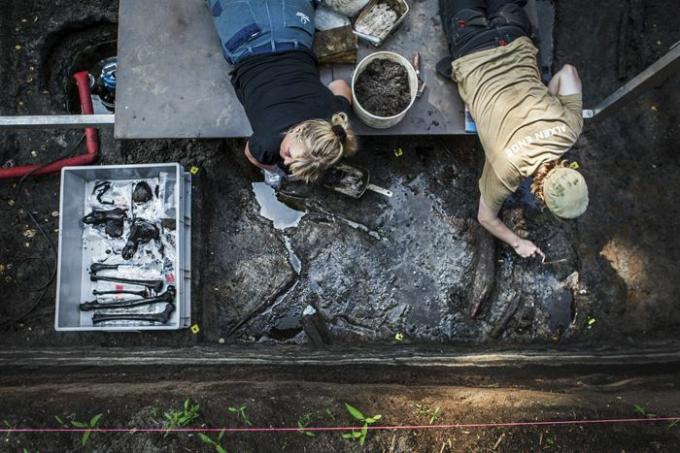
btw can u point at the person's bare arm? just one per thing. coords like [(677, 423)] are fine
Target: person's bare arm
[(565, 82), (341, 88), (254, 161), (489, 219)]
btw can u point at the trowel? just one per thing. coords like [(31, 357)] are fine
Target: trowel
[(351, 181)]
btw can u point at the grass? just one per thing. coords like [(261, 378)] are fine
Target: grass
[(71, 422), (359, 435), (215, 443), (182, 417), (432, 414), (241, 414)]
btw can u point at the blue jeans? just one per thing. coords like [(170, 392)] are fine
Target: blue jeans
[(260, 27), (472, 25)]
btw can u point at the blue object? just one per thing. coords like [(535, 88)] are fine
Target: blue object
[(259, 27)]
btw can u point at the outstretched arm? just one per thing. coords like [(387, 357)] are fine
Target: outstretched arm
[(489, 220), (565, 82), (341, 88), (254, 161)]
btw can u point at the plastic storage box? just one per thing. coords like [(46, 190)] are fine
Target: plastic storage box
[(73, 276)]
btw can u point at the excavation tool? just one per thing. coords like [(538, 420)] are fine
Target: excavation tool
[(351, 181), (162, 317), (142, 293), (168, 296), (156, 285), (416, 65)]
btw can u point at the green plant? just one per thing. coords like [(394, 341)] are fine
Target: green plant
[(360, 436), (178, 419), (216, 443), (241, 414), (302, 423), (26, 450), (673, 423), (432, 414), (92, 424), (61, 422), (640, 410)]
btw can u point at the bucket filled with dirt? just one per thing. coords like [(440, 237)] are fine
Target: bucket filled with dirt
[(384, 87)]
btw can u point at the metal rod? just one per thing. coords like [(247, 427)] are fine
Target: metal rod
[(57, 121), (653, 75)]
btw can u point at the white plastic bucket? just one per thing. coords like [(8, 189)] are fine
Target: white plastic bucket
[(384, 122)]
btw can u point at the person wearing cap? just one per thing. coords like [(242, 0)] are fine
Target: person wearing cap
[(525, 127), (300, 126)]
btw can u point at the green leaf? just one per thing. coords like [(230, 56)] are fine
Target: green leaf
[(673, 423), (79, 424), (221, 435), (356, 434), (95, 420), (205, 439), (639, 409), (220, 449), (309, 434), (373, 419), (86, 437), (348, 435), (354, 412), (61, 422), (233, 409)]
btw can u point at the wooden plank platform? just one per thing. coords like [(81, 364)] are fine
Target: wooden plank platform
[(173, 81)]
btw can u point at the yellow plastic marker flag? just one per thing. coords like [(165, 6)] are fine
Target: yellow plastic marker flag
[(398, 152), (399, 336), (574, 165), (194, 170), (195, 329)]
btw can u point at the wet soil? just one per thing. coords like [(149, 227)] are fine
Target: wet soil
[(383, 89), (378, 270), (137, 401)]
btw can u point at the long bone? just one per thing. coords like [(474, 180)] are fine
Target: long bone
[(142, 293), (162, 317), (168, 296), (156, 285)]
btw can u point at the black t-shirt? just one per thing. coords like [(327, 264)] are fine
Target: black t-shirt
[(279, 91)]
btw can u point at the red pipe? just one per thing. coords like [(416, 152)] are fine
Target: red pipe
[(91, 139)]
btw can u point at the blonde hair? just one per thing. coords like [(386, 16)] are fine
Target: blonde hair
[(325, 144), (541, 173)]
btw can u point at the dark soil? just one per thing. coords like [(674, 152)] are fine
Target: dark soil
[(376, 269), (381, 272), (383, 89), (138, 400)]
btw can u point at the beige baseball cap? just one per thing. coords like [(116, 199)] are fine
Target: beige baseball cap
[(565, 193)]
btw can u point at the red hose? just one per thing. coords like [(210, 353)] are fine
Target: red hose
[(91, 139)]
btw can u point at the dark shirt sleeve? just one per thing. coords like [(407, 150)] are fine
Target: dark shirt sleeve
[(265, 149), (343, 104)]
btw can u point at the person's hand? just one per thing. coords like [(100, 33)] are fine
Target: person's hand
[(526, 249)]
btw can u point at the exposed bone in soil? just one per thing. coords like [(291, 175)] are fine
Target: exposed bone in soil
[(383, 89)]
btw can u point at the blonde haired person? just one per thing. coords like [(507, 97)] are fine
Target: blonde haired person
[(524, 126), (300, 126)]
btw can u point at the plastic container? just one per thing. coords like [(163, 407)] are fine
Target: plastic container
[(377, 38), (73, 278), (384, 122)]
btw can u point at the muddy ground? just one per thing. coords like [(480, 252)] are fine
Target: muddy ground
[(140, 400), (377, 268), (373, 268)]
